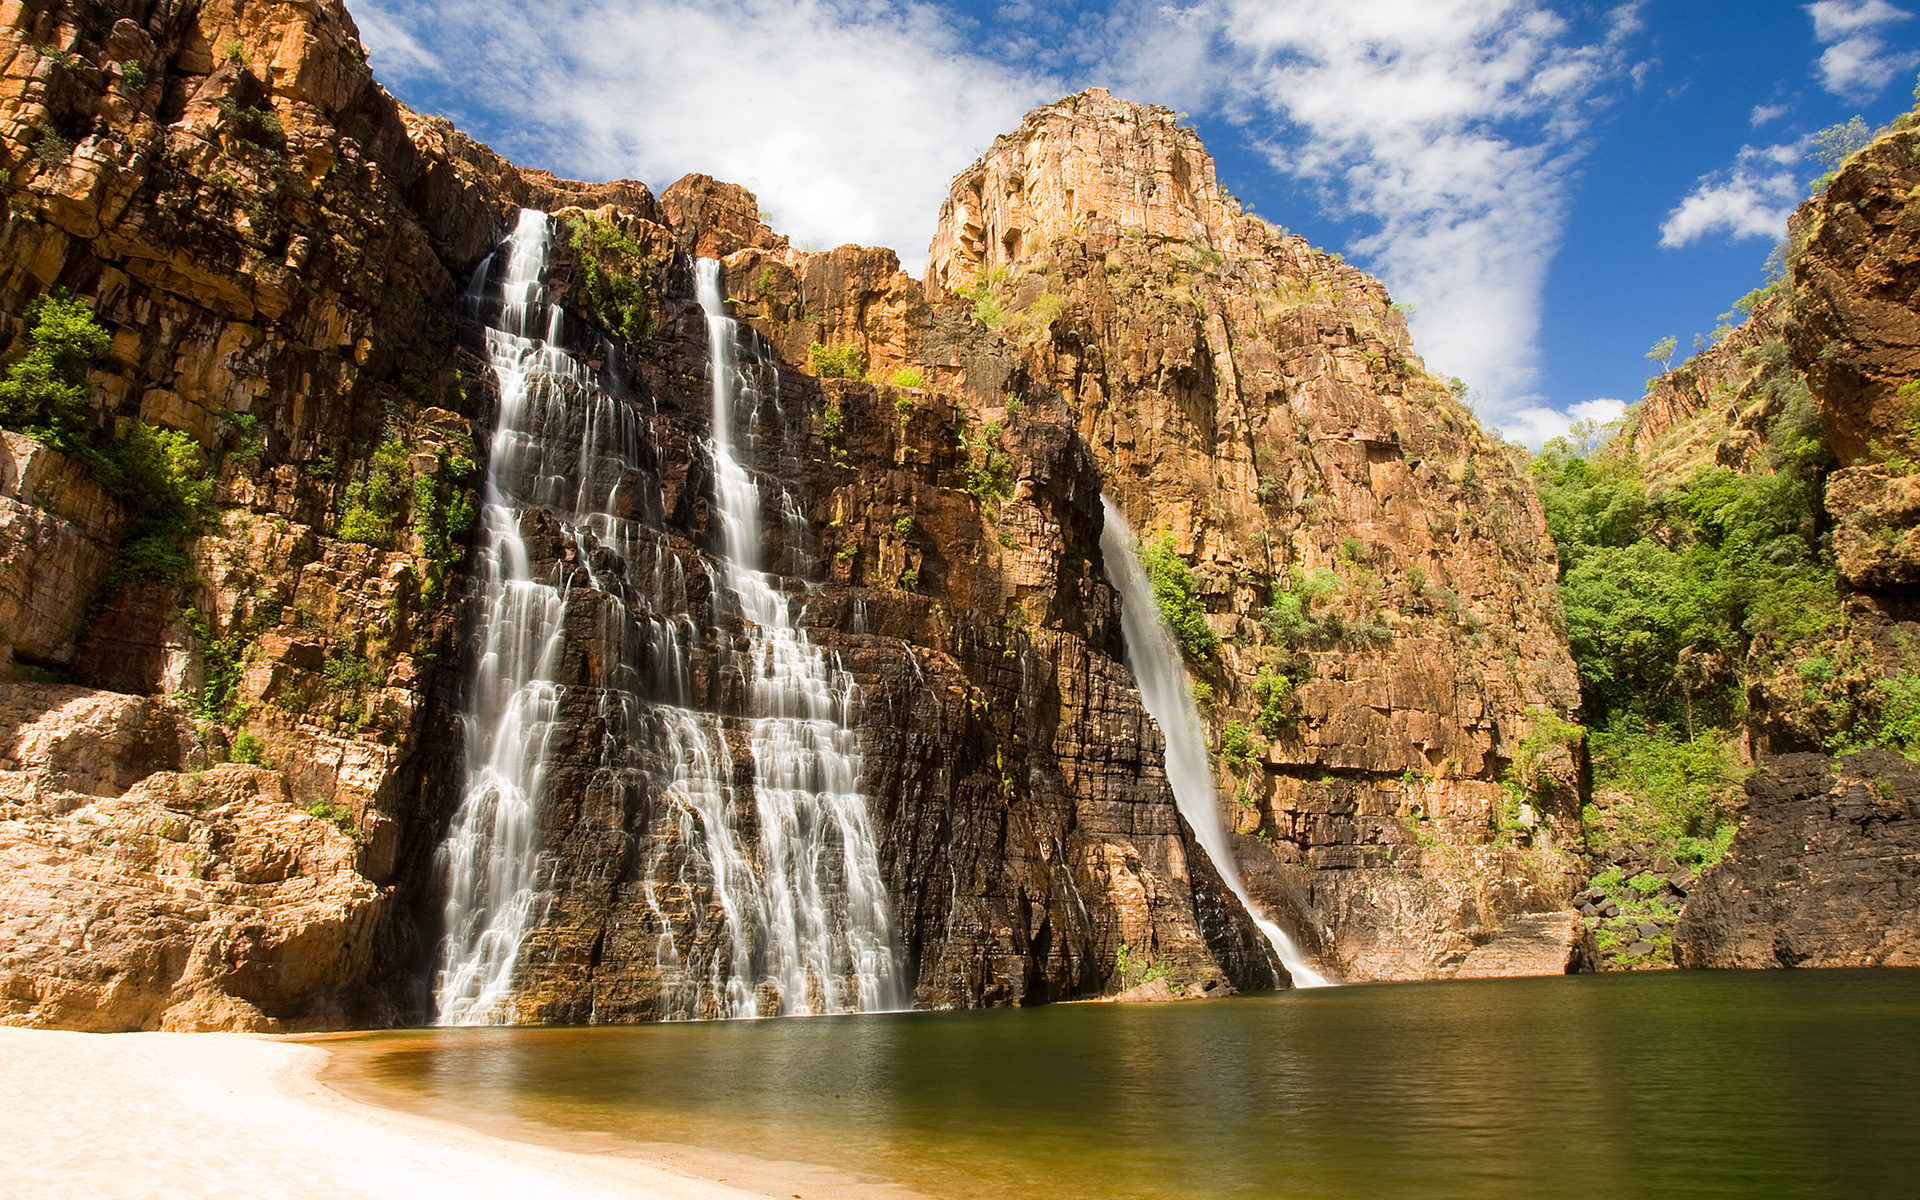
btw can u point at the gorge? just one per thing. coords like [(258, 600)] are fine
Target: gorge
[(468, 596)]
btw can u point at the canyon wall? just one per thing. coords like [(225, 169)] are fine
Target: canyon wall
[(294, 268)]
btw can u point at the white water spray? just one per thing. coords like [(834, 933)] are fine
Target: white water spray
[(1155, 660), (828, 921)]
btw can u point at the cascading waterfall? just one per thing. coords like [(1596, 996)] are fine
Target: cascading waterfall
[(1155, 660), (798, 923), (827, 923)]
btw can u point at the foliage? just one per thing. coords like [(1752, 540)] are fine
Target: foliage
[(1679, 792), (163, 477), (1236, 744), (257, 125), (989, 469), (912, 377), (987, 308), (249, 749), (903, 527), (44, 392), (618, 298), (1898, 700), (341, 819), (1550, 732), (831, 421), (1176, 590), (347, 671), (1834, 145), (373, 502), (442, 514), (1662, 352), (133, 75), (844, 362), (1702, 570), (1289, 619), (1274, 691)]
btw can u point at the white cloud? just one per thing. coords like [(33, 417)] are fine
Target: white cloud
[(1765, 113), (1857, 62), (852, 114), (1752, 198), (1536, 426), (1450, 126)]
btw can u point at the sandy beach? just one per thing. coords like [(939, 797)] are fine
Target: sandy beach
[(200, 1116)]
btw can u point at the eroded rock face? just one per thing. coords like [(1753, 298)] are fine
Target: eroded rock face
[(1261, 402), (280, 252), (1824, 872)]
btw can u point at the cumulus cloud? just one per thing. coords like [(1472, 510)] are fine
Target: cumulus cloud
[(1534, 427), (1750, 199), (849, 117), (1447, 126), (1857, 62)]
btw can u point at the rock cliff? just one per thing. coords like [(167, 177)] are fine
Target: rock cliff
[(294, 270)]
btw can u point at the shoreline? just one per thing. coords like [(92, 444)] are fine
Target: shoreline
[(246, 1115)]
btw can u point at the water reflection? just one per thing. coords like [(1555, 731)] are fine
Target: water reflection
[(1696, 1085)]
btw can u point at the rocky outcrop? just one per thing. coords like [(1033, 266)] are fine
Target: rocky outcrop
[(281, 254), (1824, 872), (1260, 402)]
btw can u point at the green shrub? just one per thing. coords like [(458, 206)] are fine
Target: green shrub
[(903, 527), (1176, 590), (44, 392), (347, 671), (1289, 620), (1236, 744), (1274, 691), (163, 477), (831, 421), (989, 469), (249, 749), (912, 377), (614, 268), (373, 502), (844, 362)]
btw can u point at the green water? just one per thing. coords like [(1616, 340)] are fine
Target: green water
[(1671, 1085)]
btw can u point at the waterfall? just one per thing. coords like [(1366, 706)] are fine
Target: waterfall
[(1155, 660), (828, 920), (781, 909)]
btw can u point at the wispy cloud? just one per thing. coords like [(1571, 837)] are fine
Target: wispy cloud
[(1858, 63), (1449, 126), (1764, 114), (848, 119), (1750, 199)]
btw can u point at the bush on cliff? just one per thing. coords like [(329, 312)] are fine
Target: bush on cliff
[(44, 393), (1176, 589)]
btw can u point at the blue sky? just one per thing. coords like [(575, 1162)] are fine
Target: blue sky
[(1554, 185)]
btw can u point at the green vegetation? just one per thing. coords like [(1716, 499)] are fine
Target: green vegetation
[(1176, 589), (1236, 745), (617, 296), (989, 469), (162, 475), (133, 75), (1289, 619), (911, 377), (249, 749), (831, 421), (903, 527), (373, 501), (1834, 145), (44, 392), (341, 819), (1274, 691), (844, 362)]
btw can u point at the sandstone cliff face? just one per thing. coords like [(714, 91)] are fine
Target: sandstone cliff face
[(283, 255), (280, 252), (1261, 401)]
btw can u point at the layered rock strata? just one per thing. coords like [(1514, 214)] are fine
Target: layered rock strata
[(1825, 871), (1261, 402), (286, 260)]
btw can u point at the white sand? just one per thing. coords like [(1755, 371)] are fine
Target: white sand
[(204, 1115)]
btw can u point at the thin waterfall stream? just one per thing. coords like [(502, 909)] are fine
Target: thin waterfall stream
[(756, 902), (1155, 660)]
